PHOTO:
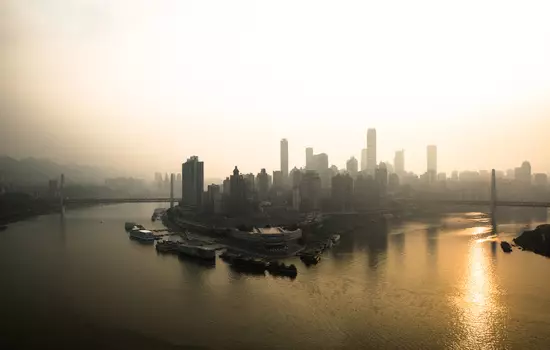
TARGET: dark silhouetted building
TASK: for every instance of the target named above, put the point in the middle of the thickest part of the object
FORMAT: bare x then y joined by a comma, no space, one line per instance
284,160
192,176
213,199
263,185
342,192
365,192
371,151
237,196
310,191
352,167
250,188
226,186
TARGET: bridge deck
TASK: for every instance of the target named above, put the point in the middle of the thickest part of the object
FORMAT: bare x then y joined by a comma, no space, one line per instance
434,201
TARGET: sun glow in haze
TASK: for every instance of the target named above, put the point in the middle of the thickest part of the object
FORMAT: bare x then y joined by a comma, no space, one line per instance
226,80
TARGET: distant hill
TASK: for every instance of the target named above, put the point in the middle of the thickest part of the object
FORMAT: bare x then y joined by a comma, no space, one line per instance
33,171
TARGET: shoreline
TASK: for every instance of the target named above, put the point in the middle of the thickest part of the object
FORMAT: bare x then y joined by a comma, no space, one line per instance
15,217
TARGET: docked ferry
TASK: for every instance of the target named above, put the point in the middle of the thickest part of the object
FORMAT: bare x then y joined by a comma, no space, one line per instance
142,235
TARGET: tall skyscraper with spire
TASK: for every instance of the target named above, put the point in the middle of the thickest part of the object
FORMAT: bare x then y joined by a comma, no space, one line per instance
371,151
284,160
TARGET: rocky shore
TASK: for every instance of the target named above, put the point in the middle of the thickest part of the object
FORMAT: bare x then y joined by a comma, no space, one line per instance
536,241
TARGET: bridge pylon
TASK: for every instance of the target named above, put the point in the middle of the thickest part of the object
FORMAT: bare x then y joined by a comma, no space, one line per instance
61,194
493,192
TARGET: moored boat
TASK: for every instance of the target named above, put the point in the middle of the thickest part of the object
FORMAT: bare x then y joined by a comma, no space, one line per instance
128,226
280,269
197,251
165,246
310,258
142,235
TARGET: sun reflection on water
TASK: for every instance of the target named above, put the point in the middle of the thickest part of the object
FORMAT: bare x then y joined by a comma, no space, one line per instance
481,316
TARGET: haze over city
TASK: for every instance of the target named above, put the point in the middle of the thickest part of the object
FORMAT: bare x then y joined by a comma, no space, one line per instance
144,85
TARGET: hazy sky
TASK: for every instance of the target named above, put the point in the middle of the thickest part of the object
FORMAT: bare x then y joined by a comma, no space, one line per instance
146,84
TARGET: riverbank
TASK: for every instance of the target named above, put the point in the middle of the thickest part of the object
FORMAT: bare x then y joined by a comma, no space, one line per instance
17,207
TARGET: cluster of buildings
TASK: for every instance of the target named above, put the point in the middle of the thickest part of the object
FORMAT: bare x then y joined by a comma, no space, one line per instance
320,186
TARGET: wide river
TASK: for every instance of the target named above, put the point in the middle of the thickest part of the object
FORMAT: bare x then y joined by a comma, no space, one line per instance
79,282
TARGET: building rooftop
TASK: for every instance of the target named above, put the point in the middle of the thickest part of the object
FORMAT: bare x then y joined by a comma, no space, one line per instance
268,230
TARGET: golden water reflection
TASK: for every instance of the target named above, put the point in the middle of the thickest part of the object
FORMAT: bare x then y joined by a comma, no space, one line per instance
481,313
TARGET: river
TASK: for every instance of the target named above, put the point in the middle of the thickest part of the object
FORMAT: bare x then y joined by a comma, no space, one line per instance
78,281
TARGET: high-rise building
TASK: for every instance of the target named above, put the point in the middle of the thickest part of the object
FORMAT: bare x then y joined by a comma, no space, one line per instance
320,162
381,178
352,167
523,173
309,158
432,158
371,151
399,162
432,163
310,191
363,159
263,185
192,174
295,177
342,191
277,179
214,199
249,184
284,160
237,200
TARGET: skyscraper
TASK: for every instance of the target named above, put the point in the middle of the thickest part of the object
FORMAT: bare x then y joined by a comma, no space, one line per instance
352,167
371,151
399,162
284,160
309,158
432,163
320,164
363,159
381,178
263,185
192,174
